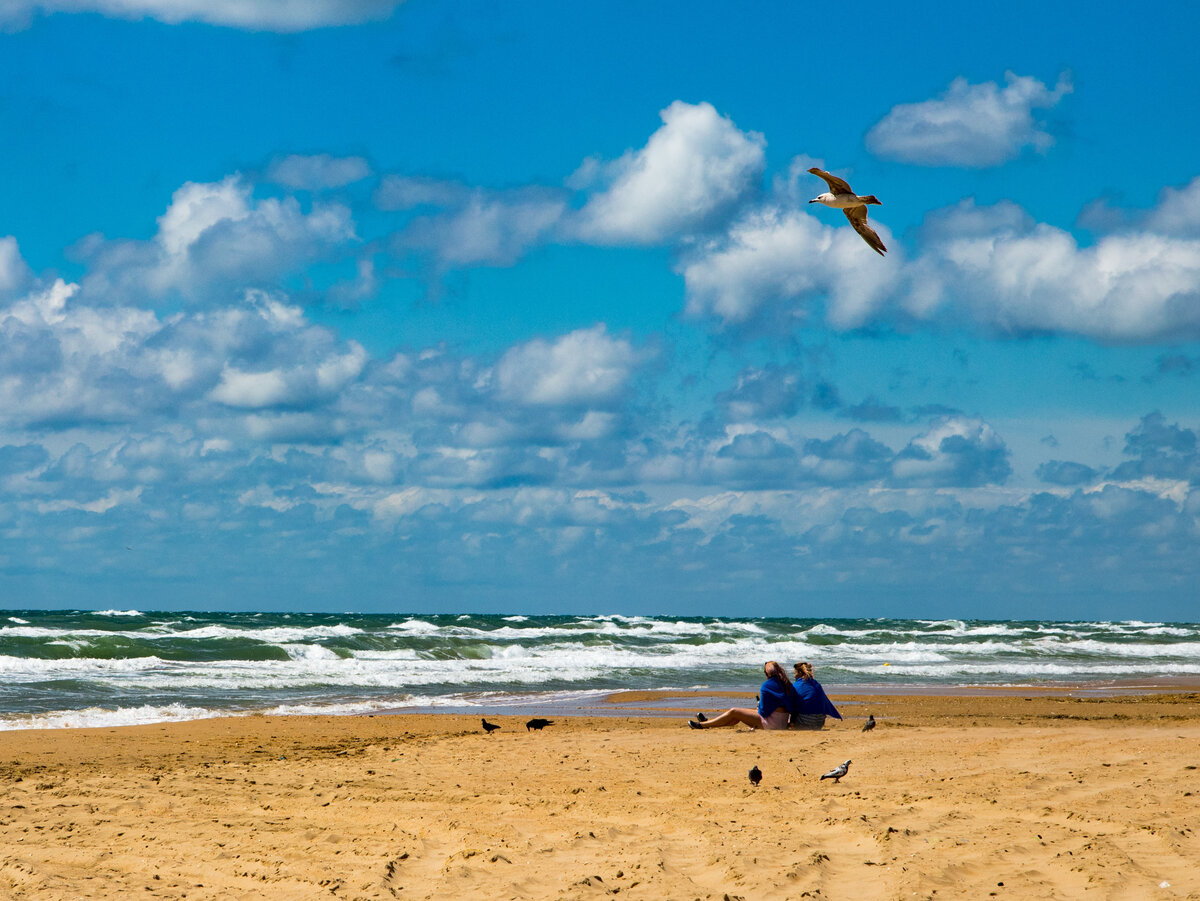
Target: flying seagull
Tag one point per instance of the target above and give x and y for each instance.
(538, 723)
(489, 728)
(870, 723)
(841, 197)
(755, 775)
(837, 772)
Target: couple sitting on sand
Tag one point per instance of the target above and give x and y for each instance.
(780, 703)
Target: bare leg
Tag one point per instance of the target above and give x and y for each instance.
(732, 717)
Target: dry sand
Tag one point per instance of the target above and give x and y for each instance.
(962, 797)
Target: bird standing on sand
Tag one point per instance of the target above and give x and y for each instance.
(489, 728)
(870, 723)
(538, 723)
(841, 197)
(837, 772)
(755, 775)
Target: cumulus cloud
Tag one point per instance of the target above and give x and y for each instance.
(993, 268)
(584, 367)
(318, 172)
(1160, 450)
(252, 15)
(695, 168)
(215, 235)
(1010, 274)
(954, 451)
(775, 254)
(969, 125)
(70, 363)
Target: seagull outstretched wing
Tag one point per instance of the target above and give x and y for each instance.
(858, 218)
(836, 185)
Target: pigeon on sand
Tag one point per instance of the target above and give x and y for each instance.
(538, 723)
(837, 772)
(841, 197)
(489, 728)
(755, 775)
(870, 723)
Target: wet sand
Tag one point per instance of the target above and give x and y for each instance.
(949, 797)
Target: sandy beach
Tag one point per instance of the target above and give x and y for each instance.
(950, 797)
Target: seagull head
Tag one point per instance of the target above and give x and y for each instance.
(822, 198)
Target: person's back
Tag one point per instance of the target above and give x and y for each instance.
(814, 705)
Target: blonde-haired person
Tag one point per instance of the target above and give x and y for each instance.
(814, 703)
(777, 701)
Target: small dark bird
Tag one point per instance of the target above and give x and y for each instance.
(837, 772)
(701, 718)
(538, 723)
(489, 728)
(870, 723)
(755, 775)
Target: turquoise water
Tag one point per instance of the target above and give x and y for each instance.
(73, 668)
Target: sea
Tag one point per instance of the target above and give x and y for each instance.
(63, 669)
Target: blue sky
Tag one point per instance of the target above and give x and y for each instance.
(376, 305)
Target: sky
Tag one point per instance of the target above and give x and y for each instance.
(443, 307)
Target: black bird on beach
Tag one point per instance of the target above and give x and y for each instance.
(755, 775)
(870, 723)
(489, 728)
(538, 723)
(837, 772)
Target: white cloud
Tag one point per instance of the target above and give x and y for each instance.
(69, 363)
(970, 125)
(696, 166)
(253, 15)
(490, 227)
(315, 173)
(994, 268)
(14, 274)
(1178, 211)
(775, 254)
(301, 384)
(1010, 274)
(216, 234)
(585, 367)
(114, 498)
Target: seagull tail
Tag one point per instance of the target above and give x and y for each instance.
(871, 198)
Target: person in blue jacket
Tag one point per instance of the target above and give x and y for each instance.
(777, 701)
(814, 703)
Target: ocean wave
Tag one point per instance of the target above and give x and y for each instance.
(96, 717)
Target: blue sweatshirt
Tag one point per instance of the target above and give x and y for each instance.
(771, 697)
(813, 699)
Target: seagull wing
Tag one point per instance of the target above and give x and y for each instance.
(858, 218)
(836, 185)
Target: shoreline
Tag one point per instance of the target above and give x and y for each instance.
(950, 796)
(630, 702)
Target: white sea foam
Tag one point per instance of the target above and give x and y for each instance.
(96, 717)
(118, 613)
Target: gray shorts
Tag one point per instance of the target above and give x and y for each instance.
(810, 721)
